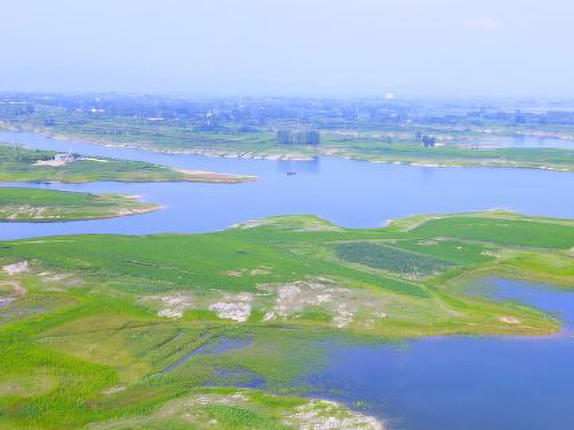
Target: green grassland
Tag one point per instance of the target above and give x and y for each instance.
(41, 205)
(122, 332)
(21, 165)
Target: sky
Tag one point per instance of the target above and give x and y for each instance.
(290, 47)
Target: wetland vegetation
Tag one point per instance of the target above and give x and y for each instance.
(91, 323)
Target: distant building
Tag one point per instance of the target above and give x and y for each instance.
(66, 158)
(58, 160)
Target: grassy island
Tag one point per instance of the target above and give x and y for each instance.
(23, 165)
(128, 332)
(40, 205)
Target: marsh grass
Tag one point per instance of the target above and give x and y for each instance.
(96, 351)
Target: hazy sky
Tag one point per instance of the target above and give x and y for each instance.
(283, 47)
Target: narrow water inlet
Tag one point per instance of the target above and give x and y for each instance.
(215, 346)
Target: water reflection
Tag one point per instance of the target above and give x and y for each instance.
(297, 167)
(426, 174)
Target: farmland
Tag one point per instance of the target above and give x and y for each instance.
(117, 332)
(392, 259)
(41, 205)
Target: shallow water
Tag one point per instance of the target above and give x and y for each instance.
(217, 346)
(466, 383)
(346, 192)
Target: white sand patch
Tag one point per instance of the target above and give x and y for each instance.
(234, 273)
(344, 316)
(217, 399)
(53, 277)
(16, 268)
(510, 320)
(327, 415)
(261, 270)
(99, 160)
(258, 271)
(136, 211)
(345, 306)
(113, 390)
(175, 305)
(51, 163)
(216, 177)
(235, 307)
(490, 253)
(295, 297)
(248, 224)
(313, 414)
(68, 279)
(23, 212)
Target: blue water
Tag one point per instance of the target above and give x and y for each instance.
(346, 192)
(466, 383)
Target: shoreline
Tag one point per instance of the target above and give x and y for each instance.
(279, 155)
(33, 165)
(28, 211)
(122, 214)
